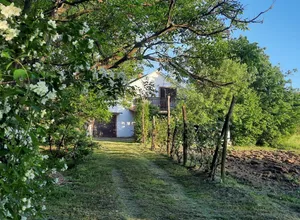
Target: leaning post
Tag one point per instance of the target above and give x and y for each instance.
(185, 144)
(224, 152)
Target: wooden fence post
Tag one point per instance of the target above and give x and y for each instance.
(185, 144)
(224, 152)
(214, 163)
(153, 134)
(143, 121)
(169, 128)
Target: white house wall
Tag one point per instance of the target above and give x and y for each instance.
(125, 121)
(156, 78)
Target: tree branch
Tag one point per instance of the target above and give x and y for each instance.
(137, 46)
(199, 79)
(254, 20)
(115, 59)
(171, 6)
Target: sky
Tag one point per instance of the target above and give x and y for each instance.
(279, 33)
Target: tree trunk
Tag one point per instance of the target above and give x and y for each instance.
(185, 144)
(143, 122)
(169, 128)
(92, 128)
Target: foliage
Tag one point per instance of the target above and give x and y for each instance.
(141, 120)
(161, 125)
(33, 84)
(274, 101)
(267, 107)
(67, 133)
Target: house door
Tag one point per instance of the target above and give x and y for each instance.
(106, 129)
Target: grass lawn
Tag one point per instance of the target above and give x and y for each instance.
(292, 142)
(126, 181)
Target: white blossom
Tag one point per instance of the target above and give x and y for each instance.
(43, 113)
(11, 33)
(3, 25)
(84, 29)
(40, 88)
(65, 167)
(97, 56)
(63, 86)
(75, 43)
(38, 66)
(7, 213)
(53, 171)
(44, 100)
(10, 10)
(51, 95)
(30, 174)
(45, 157)
(91, 44)
(56, 37)
(52, 24)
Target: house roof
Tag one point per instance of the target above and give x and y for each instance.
(172, 81)
(139, 78)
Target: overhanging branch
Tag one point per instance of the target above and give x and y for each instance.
(198, 79)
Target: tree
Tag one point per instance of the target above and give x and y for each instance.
(276, 106)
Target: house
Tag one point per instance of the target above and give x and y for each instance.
(122, 121)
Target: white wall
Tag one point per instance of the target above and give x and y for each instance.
(125, 121)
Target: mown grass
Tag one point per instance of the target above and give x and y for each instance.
(127, 181)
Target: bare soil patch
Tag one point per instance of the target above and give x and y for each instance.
(280, 168)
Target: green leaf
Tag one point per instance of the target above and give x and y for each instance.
(19, 73)
(8, 65)
(5, 54)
